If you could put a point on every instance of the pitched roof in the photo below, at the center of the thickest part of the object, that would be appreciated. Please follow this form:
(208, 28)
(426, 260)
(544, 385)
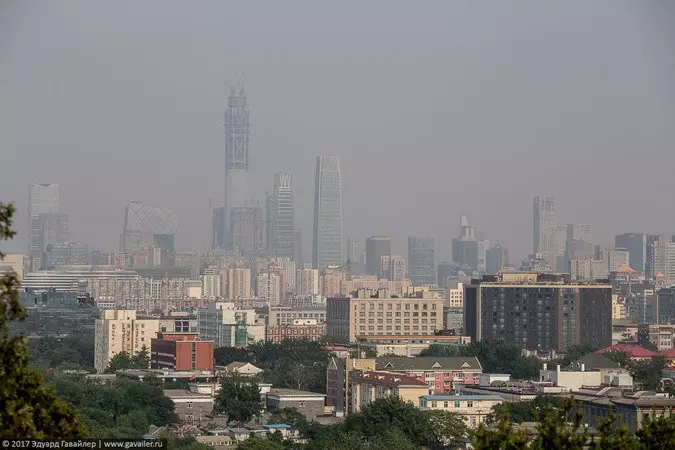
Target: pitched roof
(634, 351)
(596, 361)
(427, 363)
(670, 353)
(624, 268)
(386, 378)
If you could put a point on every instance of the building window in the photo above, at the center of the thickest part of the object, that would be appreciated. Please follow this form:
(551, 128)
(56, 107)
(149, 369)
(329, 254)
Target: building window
(302, 404)
(456, 403)
(469, 404)
(189, 405)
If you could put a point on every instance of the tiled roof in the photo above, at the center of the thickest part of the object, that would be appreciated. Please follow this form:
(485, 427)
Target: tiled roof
(387, 378)
(428, 363)
(634, 351)
(596, 361)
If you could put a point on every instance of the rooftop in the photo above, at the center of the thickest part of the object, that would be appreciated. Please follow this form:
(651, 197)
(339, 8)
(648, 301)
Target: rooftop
(283, 392)
(428, 363)
(447, 397)
(634, 351)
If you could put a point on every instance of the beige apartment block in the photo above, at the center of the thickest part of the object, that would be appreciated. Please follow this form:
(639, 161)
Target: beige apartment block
(119, 330)
(379, 314)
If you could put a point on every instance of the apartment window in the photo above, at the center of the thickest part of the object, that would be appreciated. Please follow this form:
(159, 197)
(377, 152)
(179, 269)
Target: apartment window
(456, 403)
(302, 403)
(189, 405)
(469, 404)
(433, 404)
(445, 404)
(416, 307)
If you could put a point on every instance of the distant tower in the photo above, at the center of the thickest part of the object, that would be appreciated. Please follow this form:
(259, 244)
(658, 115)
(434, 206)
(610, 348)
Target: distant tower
(280, 217)
(421, 264)
(376, 248)
(327, 238)
(46, 223)
(237, 134)
(142, 222)
(545, 239)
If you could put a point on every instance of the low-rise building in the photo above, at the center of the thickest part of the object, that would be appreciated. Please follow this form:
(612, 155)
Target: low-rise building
(473, 407)
(368, 386)
(408, 345)
(286, 315)
(337, 379)
(300, 329)
(181, 351)
(191, 407)
(441, 375)
(244, 369)
(630, 411)
(311, 404)
(571, 380)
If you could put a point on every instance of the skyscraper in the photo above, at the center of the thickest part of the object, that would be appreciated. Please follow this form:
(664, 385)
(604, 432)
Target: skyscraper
(636, 243)
(376, 248)
(327, 238)
(142, 222)
(246, 226)
(467, 249)
(578, 243)
(497, 257)
(421, 263)
(218, 236)
(546, 229)
(280, 217)
(237, 134)
(299, 257)
(46, 223)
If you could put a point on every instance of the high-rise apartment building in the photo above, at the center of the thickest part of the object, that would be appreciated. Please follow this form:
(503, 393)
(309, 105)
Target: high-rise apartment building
(246, 227)
(237, 135)
(392, 268)
(327, 238)
(119, 330)
(46, 223)
(307, 282)
(421, 260)
(269, 287)
(467, 249)
(376, 248)
(636, 244)
(538, 311)
(288, 267)
(497, 257)
(280, 217)
(546, 229)
(237, 283)
(218, 236)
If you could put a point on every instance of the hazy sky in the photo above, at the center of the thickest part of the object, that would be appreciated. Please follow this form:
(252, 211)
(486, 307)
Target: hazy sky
(436, 107)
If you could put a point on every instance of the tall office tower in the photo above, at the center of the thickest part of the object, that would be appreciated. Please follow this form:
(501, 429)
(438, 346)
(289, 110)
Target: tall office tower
(578, 243)
(546, 229)
(246, 227)
(327, 239)
(392, 268)
(237, 135)
(444, 270)
(636, 244)
(218, 236)
(558, 312)
(166, 245)
(376, 248)
(44, 213)
(280, 217)
(467, 249)
(142, 222)
(497, 257)
(355, 251)
(656, 255)
(299, 257)
(421, 262)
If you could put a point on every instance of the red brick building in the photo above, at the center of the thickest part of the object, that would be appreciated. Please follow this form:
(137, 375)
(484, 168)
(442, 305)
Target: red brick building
(301, 329)
(181, 351)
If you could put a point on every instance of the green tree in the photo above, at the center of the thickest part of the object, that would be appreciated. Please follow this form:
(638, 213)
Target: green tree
(125, 361)
(621, 358)
(141, 360)
(612, 435)
(28, 408)
(657, 433)
(239, 399)
(504, 437)
(555, 432)
(259, 443)
(448, 428)
(519, 412)
(649, 372)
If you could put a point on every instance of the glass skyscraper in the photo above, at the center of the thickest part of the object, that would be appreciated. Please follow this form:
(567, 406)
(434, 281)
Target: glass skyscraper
(421, 264)
(327, 238)
(281, 217)
(46, 223)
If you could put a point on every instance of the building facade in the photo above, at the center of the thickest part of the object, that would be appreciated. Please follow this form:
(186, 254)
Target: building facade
(180, 351)
(308, 329)
(473, 407)
(368, 386)
(246, 228)
(421, 260)
(545, 240)
(376, 248)
(327, 237)
(281, 217)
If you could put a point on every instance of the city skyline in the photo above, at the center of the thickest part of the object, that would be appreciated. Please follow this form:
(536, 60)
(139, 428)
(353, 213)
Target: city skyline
(164, 135)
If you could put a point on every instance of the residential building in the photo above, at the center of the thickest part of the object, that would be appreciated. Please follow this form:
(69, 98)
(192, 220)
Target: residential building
(307, 282)
(211, 283)
(473, 407)
(270, 287)
(664, 310)
(180, 351)
(308, 329)
(538, 311)
(299, 257)
(281, 217)
(441, 375)
(347, 287)
(237, 136)
(629, 410)
(455, 296)
(546, 229)
(327, 238)
(376, 248)
(662, 336)
(289, 272)
(421, 260)
(367, 387)
(408, 345)
(378, 314)
(120, 330)
(237, 283)
(229, 326)
(308, 403)
(192, 408)
(287, 315)
(578, 243)
(246, 228)
(179, 322)
(467, 249)
(337, 379)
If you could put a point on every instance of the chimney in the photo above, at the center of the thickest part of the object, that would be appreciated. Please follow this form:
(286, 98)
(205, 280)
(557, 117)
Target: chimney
(583, 367)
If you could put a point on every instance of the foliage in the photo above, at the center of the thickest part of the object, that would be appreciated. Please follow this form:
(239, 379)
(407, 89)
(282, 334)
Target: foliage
(448, 428)
(612, 435)
(28, 408)
(658, 432)
(121, 409)
(239, 399)
(504, 437)
(178, 443)
(71, 352)
(573, 353)
(621, 358)
(648, 372)
(495, 355)
(519, 412)
(125, 361)
(260, 443)
(293, 363)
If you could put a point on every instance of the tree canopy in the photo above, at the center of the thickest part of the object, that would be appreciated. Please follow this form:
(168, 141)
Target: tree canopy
(239, 398)
(125, 361)
(28, 408)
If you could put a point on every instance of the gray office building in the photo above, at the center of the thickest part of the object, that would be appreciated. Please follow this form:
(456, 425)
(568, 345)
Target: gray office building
(497, 257)
(327, 237)
(636, 244)
(545, 239)
(218, 237)
(246, 228)
(46, 223)
(421, 260)
(280, 227)
(376, 248)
